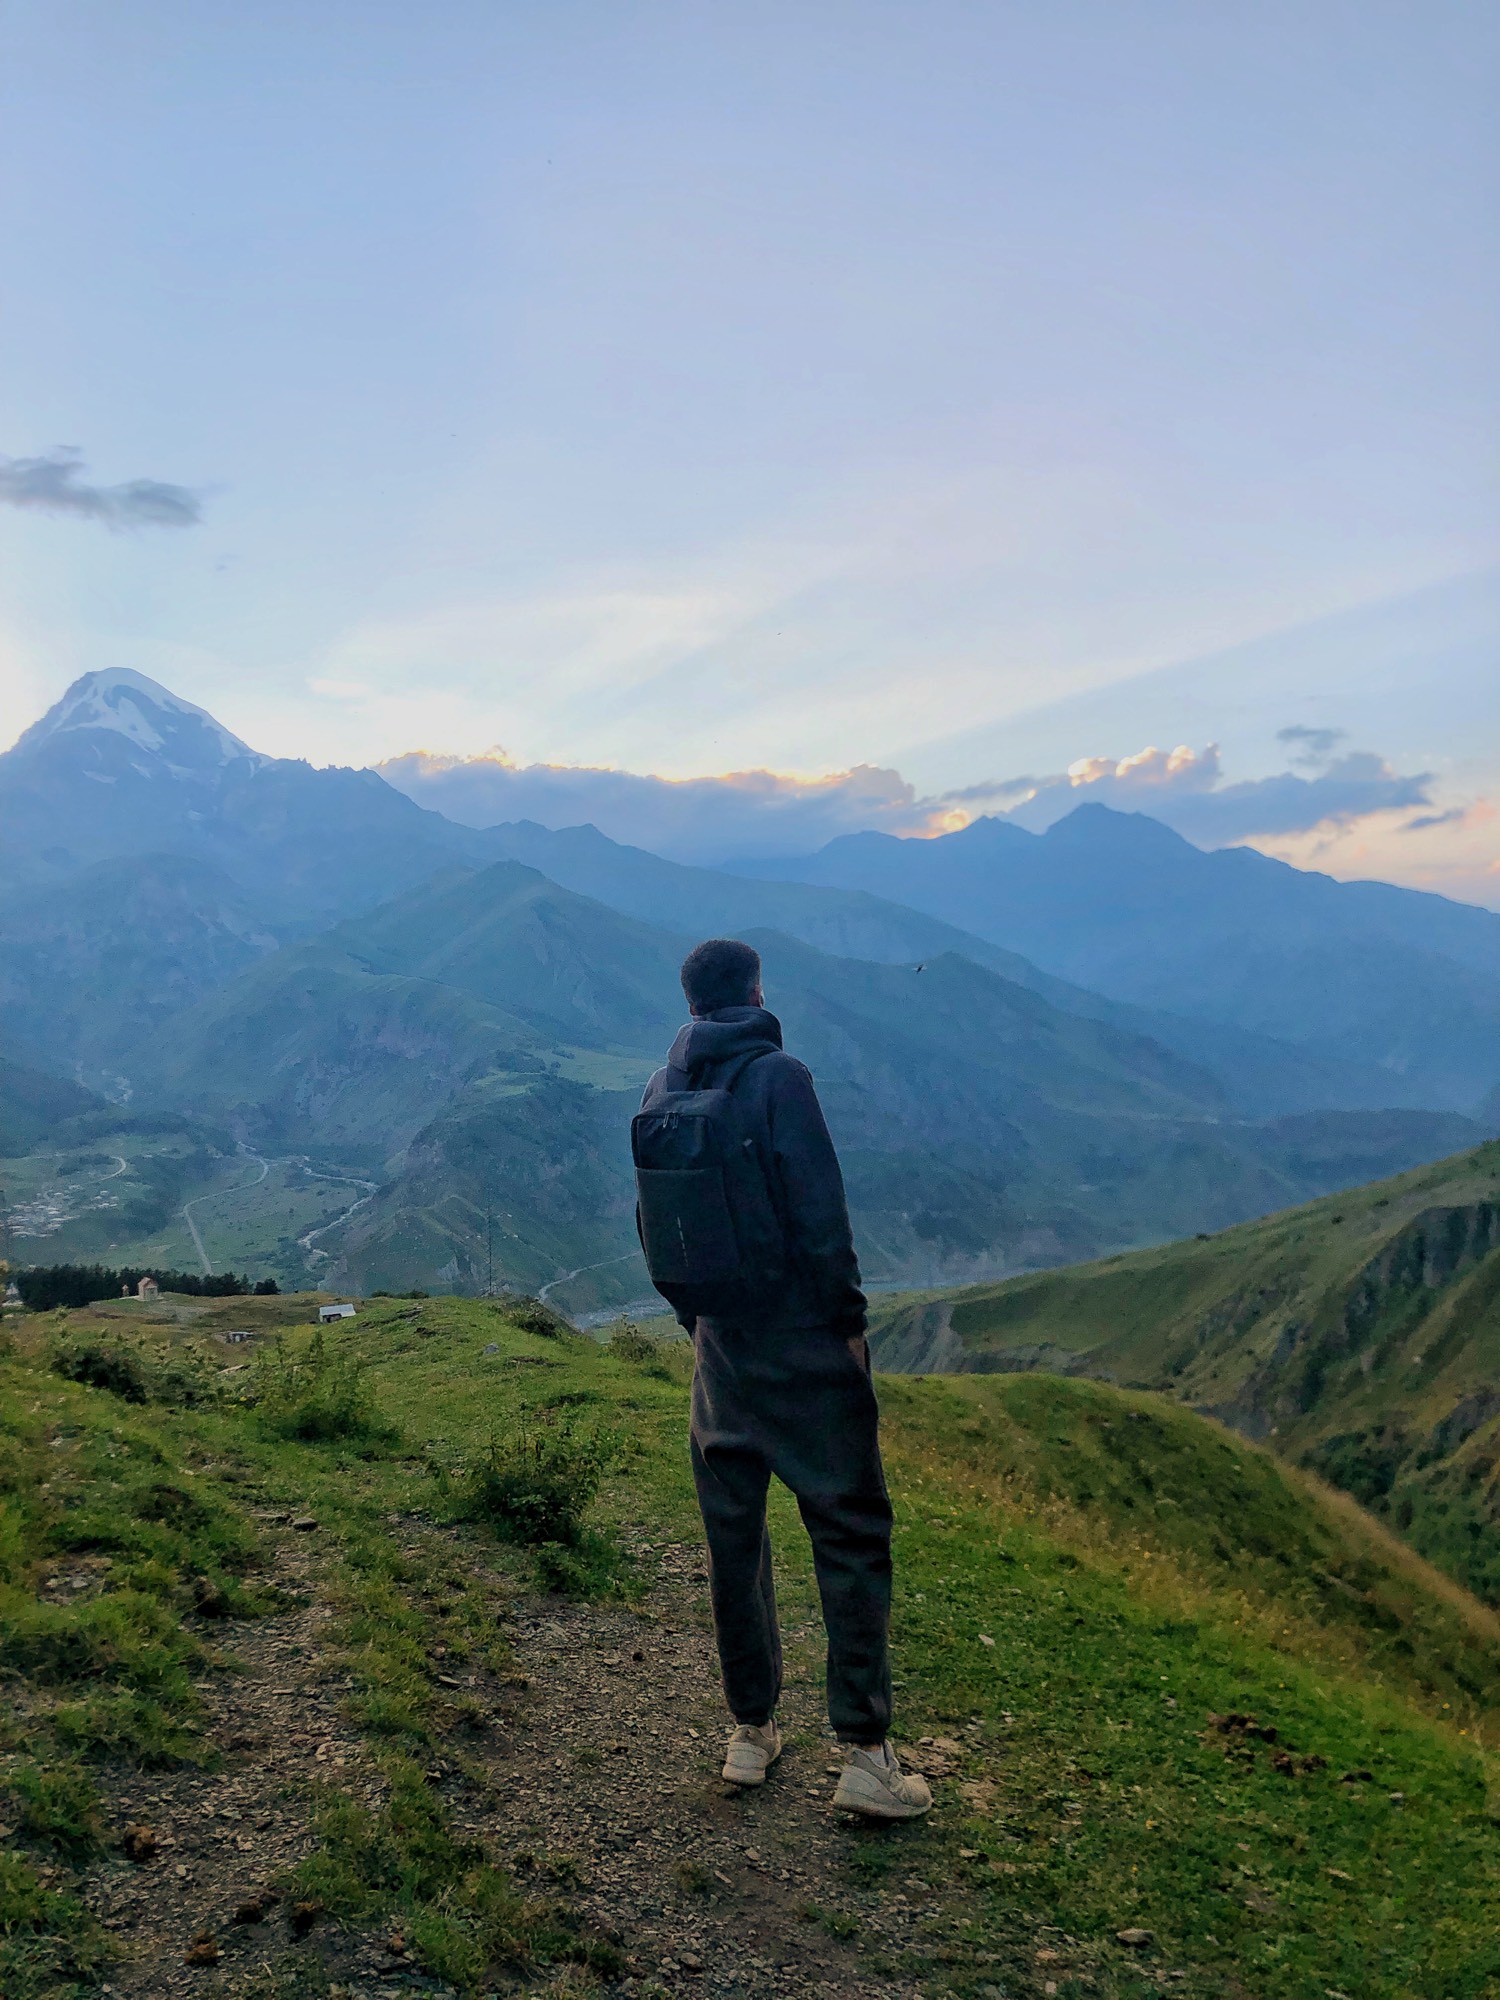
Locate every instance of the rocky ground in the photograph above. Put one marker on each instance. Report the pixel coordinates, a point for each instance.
(592, 1773)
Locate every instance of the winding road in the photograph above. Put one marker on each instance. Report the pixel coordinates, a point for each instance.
(306, 1242)
(189, 1206)
(565, 1277)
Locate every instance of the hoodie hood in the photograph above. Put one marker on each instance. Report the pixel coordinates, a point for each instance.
(723, 1035)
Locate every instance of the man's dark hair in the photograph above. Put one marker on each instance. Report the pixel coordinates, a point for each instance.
(720, 972)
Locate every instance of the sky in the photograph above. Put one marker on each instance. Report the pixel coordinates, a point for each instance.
(939, 408)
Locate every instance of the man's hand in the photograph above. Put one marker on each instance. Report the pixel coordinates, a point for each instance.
(859, 1347)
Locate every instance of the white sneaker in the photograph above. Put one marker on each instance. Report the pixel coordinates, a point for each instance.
(874, 1783)
(751, 1753)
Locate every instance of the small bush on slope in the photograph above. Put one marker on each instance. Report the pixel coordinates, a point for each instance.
(127, 1373)
(316, 1397)
(535, 1483)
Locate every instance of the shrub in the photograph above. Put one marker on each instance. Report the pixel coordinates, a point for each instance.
(534, 1484)
(120, 1370)
(536, 1317)
(125, 1372)
(318, 1399)
(647, 1350)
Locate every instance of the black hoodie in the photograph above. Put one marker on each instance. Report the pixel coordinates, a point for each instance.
(780, 1105)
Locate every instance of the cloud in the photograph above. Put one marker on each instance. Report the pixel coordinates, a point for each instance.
(739, 815)
(1183, 788)
(1455, 816)
(1314, 746)
(55, 484)
(743, 815)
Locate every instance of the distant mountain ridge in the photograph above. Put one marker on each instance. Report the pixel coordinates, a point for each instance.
(302, 965)
(1393, 979)
(144, 836)
(435, 1042)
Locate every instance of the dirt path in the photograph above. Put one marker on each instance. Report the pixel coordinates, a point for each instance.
(601, 1789)
(214, 1839)
(610, 1769)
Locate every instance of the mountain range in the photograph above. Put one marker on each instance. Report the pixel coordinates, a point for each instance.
(1394, 980)
(1032, 1048)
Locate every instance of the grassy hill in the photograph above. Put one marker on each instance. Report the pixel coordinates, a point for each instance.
(32, 1104)
(261, 1636)
(430, 1044)
(1359, 1335)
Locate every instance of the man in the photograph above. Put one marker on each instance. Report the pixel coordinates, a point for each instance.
(782, 1382)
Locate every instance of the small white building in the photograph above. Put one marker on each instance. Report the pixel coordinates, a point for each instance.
(326, 1313)
(148, 1288)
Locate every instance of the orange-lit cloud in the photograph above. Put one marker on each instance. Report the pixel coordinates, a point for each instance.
(732, 814)
(1348, 812)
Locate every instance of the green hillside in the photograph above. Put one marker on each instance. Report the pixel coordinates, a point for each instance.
(33, 1104)
(1164, 1686)
(1359, 1335)
(90, 966)
(432, 1045)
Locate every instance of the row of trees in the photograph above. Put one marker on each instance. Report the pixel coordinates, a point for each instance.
(43, 1286)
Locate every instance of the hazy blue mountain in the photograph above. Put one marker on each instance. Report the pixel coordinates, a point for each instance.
(91, 964)
(153, 854)
(1359, 972)
(477, 1047)
(122, 768)
(1262, 1076)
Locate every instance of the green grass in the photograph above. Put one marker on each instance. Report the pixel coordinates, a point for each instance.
(1136, 1570)
(1120, 1625)
(1357, 1334)
(92, 1490)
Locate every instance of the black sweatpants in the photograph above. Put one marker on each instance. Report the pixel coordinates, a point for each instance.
(802, 1406)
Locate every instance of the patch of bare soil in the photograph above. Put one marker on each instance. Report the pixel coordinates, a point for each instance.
(189, 1894)
(596, 1782)
(608, 1768)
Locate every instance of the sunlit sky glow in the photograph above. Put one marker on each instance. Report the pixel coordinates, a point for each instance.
(960, 391)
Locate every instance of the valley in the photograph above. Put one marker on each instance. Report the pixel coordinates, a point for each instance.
(434, 1035)
(74, 1204)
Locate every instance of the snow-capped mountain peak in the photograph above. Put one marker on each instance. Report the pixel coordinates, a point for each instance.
(187, 738)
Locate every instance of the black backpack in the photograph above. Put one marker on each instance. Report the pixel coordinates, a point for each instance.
(708, 1220)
